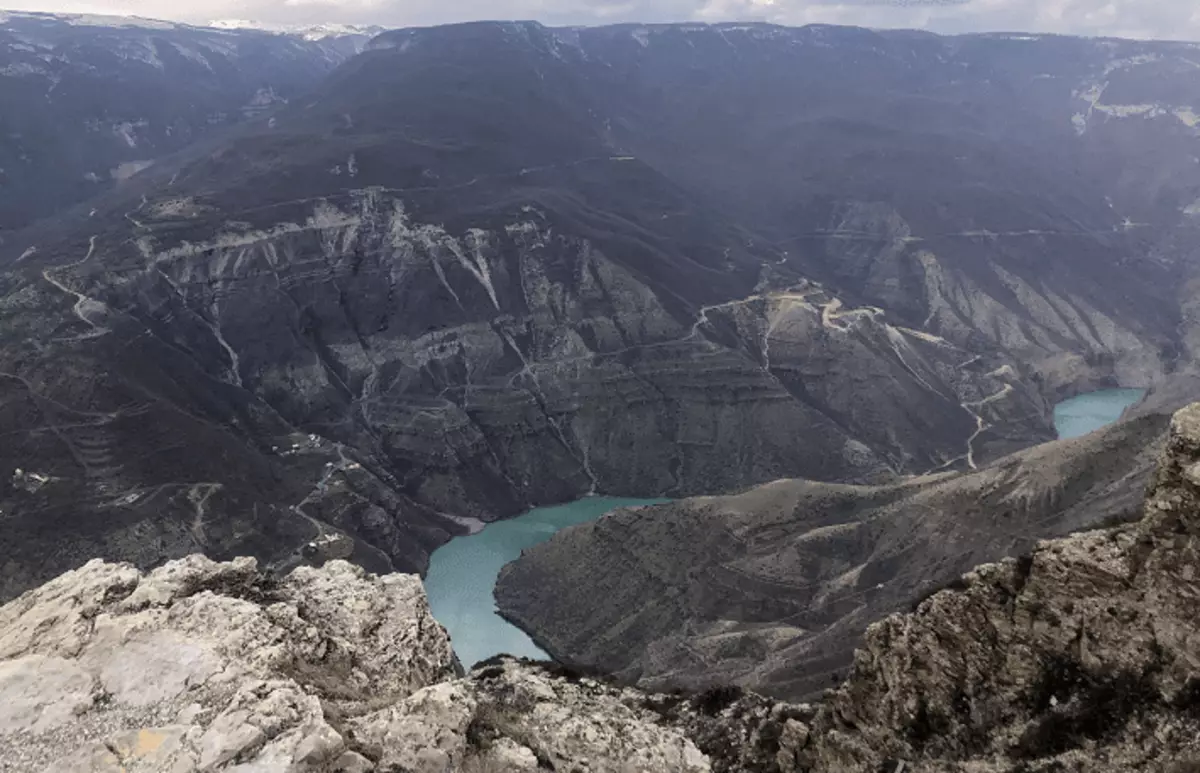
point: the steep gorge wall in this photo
(393, 378)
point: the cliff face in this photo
(204, 666)
(1081, 657)
(378, 376)
(772, 588)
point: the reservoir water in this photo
(1089, 412)
(463, 572)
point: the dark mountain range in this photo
(494, 265)
(87, 101)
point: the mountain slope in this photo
(772, 588)
(86, 102)
(1077, 658)
(930, 175)
(494, 265)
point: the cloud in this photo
(1176, 19)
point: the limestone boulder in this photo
(200, 666)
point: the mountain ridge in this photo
(89, 101)
(489, 270)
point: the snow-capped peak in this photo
(308, 32)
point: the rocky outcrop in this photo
(520, 718)
(204, 666)
(1079, 657)
(772, 589)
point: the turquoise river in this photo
(463, 572)
(1089, 412)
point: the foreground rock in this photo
(202, 666)
(772, 589)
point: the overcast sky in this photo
(1179, 19)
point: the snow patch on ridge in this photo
(309, 32)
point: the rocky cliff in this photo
(1079, 657)
(200, 666)
(773, 588)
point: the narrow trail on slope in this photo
(981, 426)
(832, 311)
(513, 173)
(83, 304)
(872, 236)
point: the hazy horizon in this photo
(1160, 19)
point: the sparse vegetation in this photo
(498, 719)
(1120, 519)
(1023, 571)
(926, 725)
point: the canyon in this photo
(200, 665)
(415, 301)
(462, 574)
(284, 314)
(772, 588)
